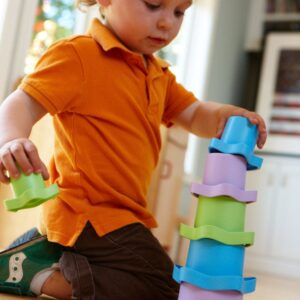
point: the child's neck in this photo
(144, 57)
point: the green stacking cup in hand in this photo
(30, 191)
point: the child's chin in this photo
(145, 52)
(151, 51)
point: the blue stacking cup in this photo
(239, 130)
(239, 138)
(216, 259)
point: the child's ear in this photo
(104, 3)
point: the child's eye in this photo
(179, 13)
(151, 6)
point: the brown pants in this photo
(127, 264)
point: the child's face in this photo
(145, 26)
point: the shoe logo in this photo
(15, 267)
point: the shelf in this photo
(281, 17)
(259, 18)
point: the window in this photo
(55, 19)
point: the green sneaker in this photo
(20, 264)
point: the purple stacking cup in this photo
(190, 292)
(225, 168)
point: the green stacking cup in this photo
(221, 211)
(220, 218)
(30, 191)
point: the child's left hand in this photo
(227, 111)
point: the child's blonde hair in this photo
(81, 3)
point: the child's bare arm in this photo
(208, 119)
(18, 113)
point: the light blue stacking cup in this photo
(216, 259)
(214, 266)
(239, 137)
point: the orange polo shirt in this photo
(107, 109)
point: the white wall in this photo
(4, 4)
(228, 58)
(227, 63)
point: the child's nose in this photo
(165, 22)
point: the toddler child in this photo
(108, 95)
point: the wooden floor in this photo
(268, 288)
(275, 288)
(11, 297)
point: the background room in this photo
(243, 52)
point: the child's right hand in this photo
(23, 152)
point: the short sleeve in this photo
(58, 79)
(177, 100)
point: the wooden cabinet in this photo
(258, 214)
(169, 186)
(286, 245)
(270, 15)
(278, 99)
(275, 217)
(255, 25)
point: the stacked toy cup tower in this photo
(215, 261)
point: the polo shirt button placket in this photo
(152, 104)
(136, 61)
(133, 60)
(153, 109)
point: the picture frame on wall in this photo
(278, 99)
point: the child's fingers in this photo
(262, 139)
(36, 162)
(3, 177)
(252, 117)
(44, 172)
(20, 157)
(256, 119)
(33, 156)
(262, 130)
(221, 126)
(9, 163)
(23, 153)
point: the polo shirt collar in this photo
(107, 40)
